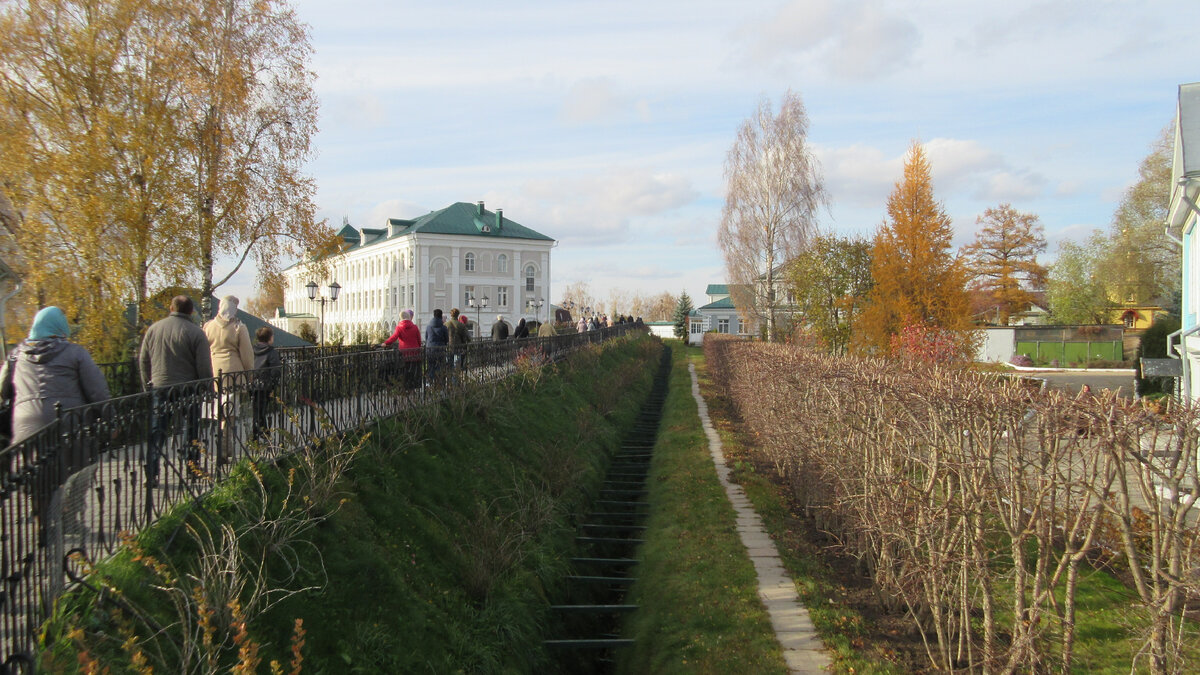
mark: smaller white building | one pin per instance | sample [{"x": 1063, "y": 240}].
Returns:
[{"x": 719, "y": 315}]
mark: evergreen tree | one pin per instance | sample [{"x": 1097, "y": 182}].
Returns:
[
  {"x": 917, "y": 280},
  {"x": 683, "y": 310}
]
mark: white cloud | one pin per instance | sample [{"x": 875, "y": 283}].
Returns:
[
  {"x": 1008, "y": 186},
  {"x": 391, "y": 208},
  {"x": 874, "y": 45},
  {"x": 863, "y": 176},
  {"x": 858, "y": 174},
  {"x": 954, "y": 161},
  {"x": 857, "y": 39},
  {"x": 600, "y": 207}
]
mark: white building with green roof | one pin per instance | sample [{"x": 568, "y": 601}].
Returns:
[
  {"x": 454, "y": 257},
  {"x": 719, "y": 315}
]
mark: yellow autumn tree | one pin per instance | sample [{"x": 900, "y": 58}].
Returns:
[
  {"x": 917, "y": 280},
  {"x": 92, "y": 157},
  {"x": 147, "y": 143}
]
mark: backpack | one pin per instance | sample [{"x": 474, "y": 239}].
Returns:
[{"x": 8, "y": 395}]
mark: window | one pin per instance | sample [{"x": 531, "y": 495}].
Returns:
[
  {"x": 741, "y": 326},
  {"x": 469, "y": 263},
  {"x": 410, "y": 259},
  {"x": 468, "y": 293},
  {"x": 529, "y": 278},
  {"x": 722, "y": 325},
  {"x": 502, "y": 296},
  {"x": 502, "y": 264},
  {"x": 696, "y": 327}
]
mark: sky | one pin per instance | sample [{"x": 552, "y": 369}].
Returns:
[{"x": 605, "y": 124}]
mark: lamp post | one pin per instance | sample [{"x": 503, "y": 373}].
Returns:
[
  {"x": 479, "y": 307},
  {"x": 536, "y": 305},
  {"x": 334, "y": 290}
]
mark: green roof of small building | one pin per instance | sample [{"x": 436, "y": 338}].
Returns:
[
  {"x": 717, "y": 289},
  {"x": 723, "y": 303}
]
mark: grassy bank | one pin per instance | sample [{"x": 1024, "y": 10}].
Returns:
[
  {"x": 697, "y": 589},
  {"x": 434, "y": 552}
]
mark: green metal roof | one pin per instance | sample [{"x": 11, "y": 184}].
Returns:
[
  {"x": 723, "y": 303},
  {"x": 717, "y": 289},
  {"x": 459, "y": 218}
]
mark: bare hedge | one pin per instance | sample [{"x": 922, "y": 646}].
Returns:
[{"x": 976, "y": 501}]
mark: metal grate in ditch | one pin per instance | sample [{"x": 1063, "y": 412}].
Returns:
[{"x": 587, "y": 624}]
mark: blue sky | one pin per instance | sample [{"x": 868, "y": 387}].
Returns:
[{"x": 605, "y": 124}]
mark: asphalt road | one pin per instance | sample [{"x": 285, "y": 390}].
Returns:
[{"x": 1074, "y": 381}]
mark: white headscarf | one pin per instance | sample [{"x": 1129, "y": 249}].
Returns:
[{"x": 228, "y": 308}]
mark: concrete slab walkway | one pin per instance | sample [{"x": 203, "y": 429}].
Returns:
[{"x": 802, "y": 648}]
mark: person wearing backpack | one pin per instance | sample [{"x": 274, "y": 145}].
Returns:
[{"x": 437, "y": 338}]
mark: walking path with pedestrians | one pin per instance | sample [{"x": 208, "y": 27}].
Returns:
[{"x": 802, "y": 648}]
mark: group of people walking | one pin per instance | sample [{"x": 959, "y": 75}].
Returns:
[
  {"x": 46, "y": 373},
  {"x": 602, "y": 321},
  {"x": 443, "y": 340}
]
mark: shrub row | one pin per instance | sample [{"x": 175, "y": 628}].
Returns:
[{"x": 976, "y": 502}]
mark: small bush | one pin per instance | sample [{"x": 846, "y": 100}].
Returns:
[{"x": 1021, "y": 360}]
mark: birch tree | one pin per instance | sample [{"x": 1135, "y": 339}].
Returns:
[
  {"x": 251, "y": 114},
  {"x": 92, "y": 158},
  {"x": 773, "y": 192}
]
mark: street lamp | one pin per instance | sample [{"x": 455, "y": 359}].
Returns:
[
  {"x": 334, "y": 290},
  {"x": 479, "y": 306},
  {"x": 536, "y": 305}
]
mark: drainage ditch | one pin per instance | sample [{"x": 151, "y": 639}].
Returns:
[{"x": 586, "y": 629}]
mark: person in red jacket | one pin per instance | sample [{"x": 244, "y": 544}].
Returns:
[{"x": 408, "y": 340}]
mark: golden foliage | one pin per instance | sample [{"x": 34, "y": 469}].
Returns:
[{"x": 916, "y": 279}]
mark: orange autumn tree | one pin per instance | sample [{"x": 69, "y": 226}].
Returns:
[
  {"x": 918, "y": 282},
  {"x": 1003, "y": 259}
]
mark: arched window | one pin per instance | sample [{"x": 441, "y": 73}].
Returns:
[
  {"x": 502, "y": 264},
  {"x": 469, "y": 263},
  {"x": 529, "y": 273}
]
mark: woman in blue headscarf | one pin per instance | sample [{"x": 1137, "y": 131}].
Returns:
[{"x": 48, "y": 370}]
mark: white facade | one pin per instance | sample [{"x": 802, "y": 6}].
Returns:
[
  {"x": 1183, "y": 219},
  {"x": 718, "y": 315},
  {"x": 387, "y": 271}
]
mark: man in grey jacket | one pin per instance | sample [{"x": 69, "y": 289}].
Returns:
[{"x": 174, "y": 350}]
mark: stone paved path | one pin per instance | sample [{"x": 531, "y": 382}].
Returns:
[{"x": 802, "y": 648}]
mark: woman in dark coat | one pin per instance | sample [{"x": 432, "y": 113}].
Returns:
[
  {"x": 521, "y": 331},
  {"x": 49, "y": 370},
  {"x": 46, "y": 372}
]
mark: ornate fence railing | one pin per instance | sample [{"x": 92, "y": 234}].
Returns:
[{"x": 100, "y": 470}]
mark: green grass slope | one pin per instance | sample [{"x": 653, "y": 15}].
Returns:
[{"x": 447, "y": 535}]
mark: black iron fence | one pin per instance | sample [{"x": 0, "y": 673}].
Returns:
[{"x": 100, "y": 470}]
